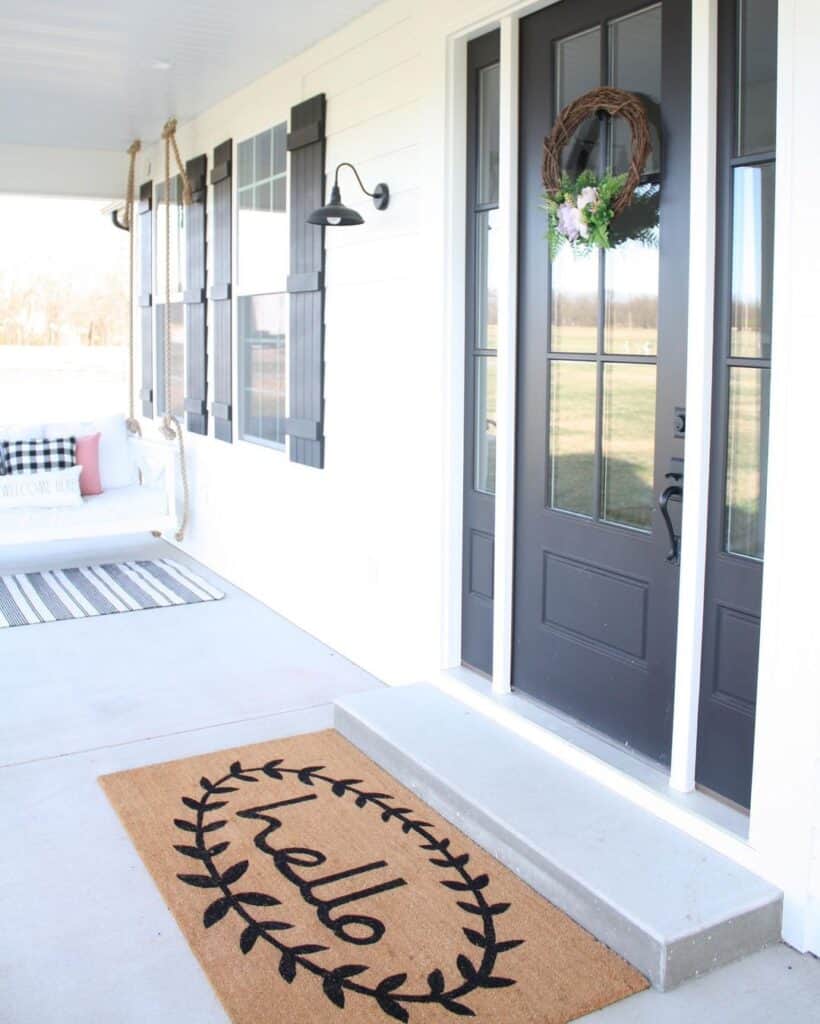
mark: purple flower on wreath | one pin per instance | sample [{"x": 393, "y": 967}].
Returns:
[{"x": 570, "y": 223}]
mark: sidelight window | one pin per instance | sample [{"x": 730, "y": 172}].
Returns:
[
  {"x": 745, "y": 327},
  {"x": 485, "y": 293}
]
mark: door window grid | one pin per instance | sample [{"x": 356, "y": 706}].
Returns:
[
  {"x": 177, "y": 359},
  {"x": 601, "y": 463},
  {"x": 263, "y": 171},
  {"x": 262, "y": 335},
  {"x": 175, "y": 212},
  {"x": 745, "y": 340},
  {"x": 262, "y": 268},
  {"x": 484, "y": 343}
]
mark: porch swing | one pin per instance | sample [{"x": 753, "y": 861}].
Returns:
[{"x": 145, "y": 501}]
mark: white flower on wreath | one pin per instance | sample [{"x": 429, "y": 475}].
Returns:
[{"x": 587, "y": 197}]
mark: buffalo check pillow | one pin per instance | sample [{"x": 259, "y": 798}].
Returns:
[{"x": 38, "y": 455}]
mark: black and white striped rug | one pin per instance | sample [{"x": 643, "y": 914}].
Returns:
[{"x": 27, "y": 598}]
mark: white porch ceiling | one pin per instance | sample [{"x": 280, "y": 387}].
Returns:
[{"x": 82, "y": 73}]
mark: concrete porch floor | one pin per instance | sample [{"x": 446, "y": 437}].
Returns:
[{"x": 85, "y": 936}]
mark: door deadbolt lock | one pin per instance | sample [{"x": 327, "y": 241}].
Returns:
[{"x": 679, "y": 429}]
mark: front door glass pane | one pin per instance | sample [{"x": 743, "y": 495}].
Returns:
[
  {"x": 746, "y": 462},
  {"x": 572, "y": 436},
  {"x": 628, "y": 444},
  {"x": 632, "y": 269},
  {"x": 485, "y": 427},
  {"x": 635, "y": 65},
  {"x": 757, "y": 76},
  {"x": 574, "y": 302},
  {"x": 752, "y": 261},
  {"x": 578, "y": 63}
]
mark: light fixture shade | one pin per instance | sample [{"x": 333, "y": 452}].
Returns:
[{"x": 335, "y": 215}]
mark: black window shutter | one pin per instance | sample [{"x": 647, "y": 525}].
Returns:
[
  {"x": 196, "y": 327},
  {"x": 220, "y": 294},
  {"x": 306, "y": 144},
  {"x": 145, "y": 298}
]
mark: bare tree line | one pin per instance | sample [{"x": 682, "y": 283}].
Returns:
[
  {"x": 640, "y": 311},
  {"x": 49, "y": 309}
]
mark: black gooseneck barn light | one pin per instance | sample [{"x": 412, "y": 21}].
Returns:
[{"x": 336, "y": 214}]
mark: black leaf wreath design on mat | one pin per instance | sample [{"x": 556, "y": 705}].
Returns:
[{"x": 336, "y": 981}]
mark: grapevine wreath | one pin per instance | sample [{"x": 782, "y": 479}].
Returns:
[{"x": 580, "y": 209}]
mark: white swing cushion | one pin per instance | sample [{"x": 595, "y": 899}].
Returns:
[
  {"x": 117, "y": 467},
  {"x": 129, "y": 509},
  {"x": 123, "y": 510},
  {"x": 56, "y": 488}
]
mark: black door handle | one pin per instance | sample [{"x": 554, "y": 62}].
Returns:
[{"x": 672, "y": 491}]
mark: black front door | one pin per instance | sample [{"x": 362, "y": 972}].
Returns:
[{"x": 601, "y": 382}]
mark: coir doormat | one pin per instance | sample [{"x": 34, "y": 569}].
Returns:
[{"x": 314, "y": 888}]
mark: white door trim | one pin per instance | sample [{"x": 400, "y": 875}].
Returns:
[
  {"x": 699, "y": 371},
  {"x": 506, "y": 359}
]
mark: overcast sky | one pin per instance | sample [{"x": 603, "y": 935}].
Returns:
[{"x": 59, "y": 236}]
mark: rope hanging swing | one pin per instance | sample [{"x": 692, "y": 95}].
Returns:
[
  {"x": 171, "y": 428},
  {"x": 132, "y": 423}
]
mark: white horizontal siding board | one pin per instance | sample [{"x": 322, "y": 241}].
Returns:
[
  {"x": 353, "y": 309},
  {"x": 399, "y": 169},
  {"x": 376, "y": 262},
  {"x": 367, "y": 59},
  {"x": 396, "y": 86},
  {"x": 400, "y": 219},
  {"x": 383, "y": 134}
]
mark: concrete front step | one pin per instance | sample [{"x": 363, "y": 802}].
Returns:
[{"x": 670, "y": 905}]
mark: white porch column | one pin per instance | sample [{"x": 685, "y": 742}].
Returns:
[{"x": 785, "y": 814}]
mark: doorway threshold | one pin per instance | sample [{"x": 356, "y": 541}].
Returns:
[
  {"x": 669, "y": 904},
  {"x": 723, "y": 827}
]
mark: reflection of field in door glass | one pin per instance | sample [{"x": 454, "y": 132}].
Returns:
[
  {"x": 572, "y": 437},
  {"x": 574, "y": 282},
  {"x": 486, "y": 423},
  {"x": 745, "y": 476},
  {"x": 628, "y": 437},
  {"x": 629, "y": 427},
  {"x": 630, "y": 301},
  {"x": 631, "y": 309}
]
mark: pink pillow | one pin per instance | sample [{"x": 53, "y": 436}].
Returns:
[{"x": 88, "y": 456}]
